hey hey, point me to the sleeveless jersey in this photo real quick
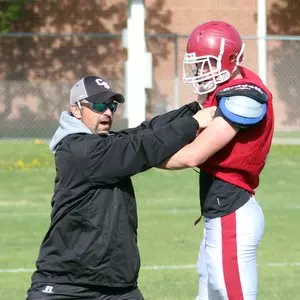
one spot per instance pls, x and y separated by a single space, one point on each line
241 161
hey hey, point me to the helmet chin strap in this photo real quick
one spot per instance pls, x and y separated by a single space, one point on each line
236 73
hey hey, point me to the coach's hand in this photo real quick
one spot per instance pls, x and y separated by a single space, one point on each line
205 116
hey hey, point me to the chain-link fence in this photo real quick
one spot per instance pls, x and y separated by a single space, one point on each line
37 72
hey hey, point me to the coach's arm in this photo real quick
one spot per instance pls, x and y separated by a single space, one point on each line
212 139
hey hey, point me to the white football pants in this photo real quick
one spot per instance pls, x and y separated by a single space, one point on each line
227 257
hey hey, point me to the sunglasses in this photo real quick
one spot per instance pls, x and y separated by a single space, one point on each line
100 107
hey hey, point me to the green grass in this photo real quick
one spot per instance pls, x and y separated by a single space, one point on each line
287 134
168 205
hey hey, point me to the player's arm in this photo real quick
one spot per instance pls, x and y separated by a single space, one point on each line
217 135
239 107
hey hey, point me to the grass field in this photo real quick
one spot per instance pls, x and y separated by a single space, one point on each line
168 205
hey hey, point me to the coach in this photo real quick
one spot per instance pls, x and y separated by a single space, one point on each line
90 249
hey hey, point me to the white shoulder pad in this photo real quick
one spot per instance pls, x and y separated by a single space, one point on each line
242 110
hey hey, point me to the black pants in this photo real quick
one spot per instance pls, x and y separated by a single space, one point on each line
40 291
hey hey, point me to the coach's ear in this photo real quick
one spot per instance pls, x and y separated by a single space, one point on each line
75 111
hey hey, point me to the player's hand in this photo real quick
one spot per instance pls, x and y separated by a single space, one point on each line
205 116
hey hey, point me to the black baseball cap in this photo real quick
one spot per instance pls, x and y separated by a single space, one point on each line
94 89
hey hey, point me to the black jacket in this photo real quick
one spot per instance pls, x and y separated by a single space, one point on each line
92 239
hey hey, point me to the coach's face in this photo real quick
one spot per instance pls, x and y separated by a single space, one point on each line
98 117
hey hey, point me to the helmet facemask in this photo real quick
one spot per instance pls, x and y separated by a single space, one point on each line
203 72
206 72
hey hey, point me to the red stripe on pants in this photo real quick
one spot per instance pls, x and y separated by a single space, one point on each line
229 257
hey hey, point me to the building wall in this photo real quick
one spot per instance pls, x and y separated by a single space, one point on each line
243 15
53 63
188 14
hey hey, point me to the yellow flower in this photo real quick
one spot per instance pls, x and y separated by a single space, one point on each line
38 142
35 162
20 164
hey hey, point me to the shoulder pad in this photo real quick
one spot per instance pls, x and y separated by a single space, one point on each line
242 111
248 90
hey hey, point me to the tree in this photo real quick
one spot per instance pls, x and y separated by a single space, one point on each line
10 12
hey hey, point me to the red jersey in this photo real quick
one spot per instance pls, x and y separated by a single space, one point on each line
241 161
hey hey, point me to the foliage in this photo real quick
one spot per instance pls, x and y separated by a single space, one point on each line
10 11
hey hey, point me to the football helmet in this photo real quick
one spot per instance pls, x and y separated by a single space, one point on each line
214 50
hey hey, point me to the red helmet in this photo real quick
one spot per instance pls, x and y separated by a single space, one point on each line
214 50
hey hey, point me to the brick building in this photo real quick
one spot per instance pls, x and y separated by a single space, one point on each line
37 70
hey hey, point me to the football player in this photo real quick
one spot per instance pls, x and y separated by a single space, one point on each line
230 153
